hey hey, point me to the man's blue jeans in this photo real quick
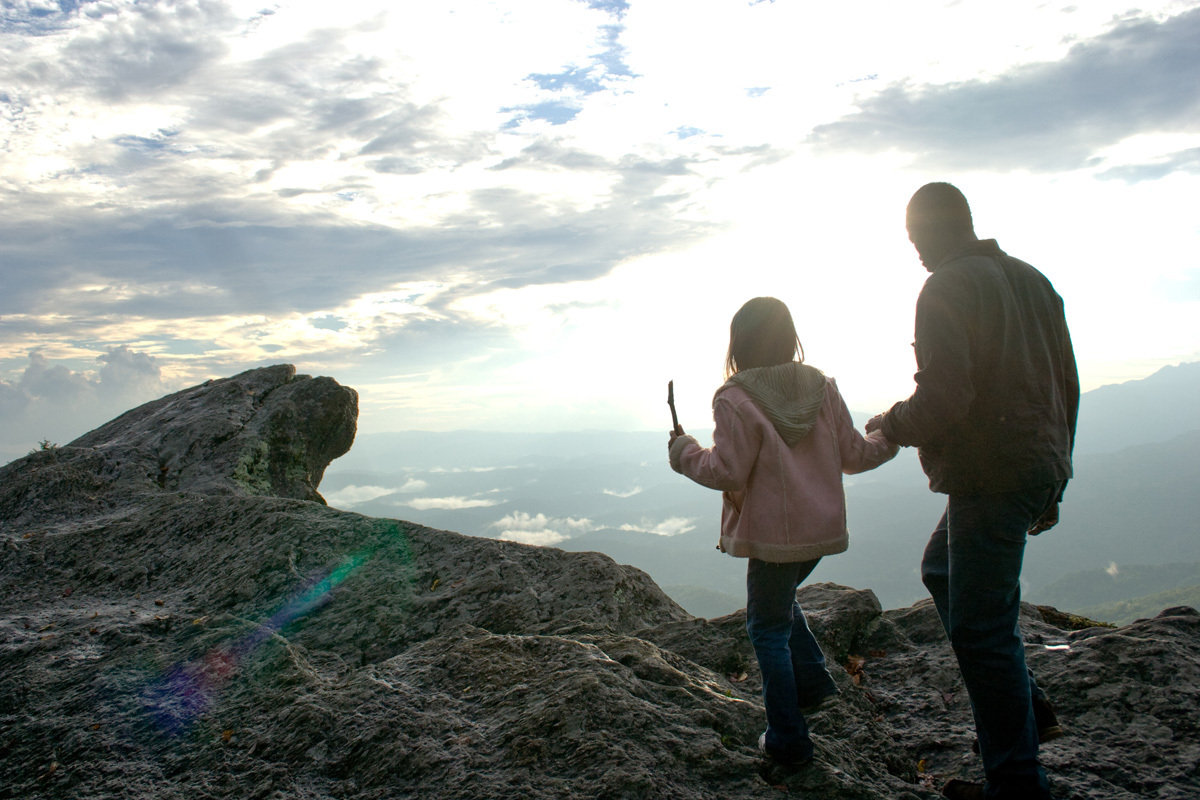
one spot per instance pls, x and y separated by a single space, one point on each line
789 658
972 568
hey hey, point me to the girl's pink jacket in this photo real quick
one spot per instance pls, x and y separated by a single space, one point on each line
780 503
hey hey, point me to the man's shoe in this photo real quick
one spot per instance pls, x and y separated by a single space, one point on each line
963 790
783 761
823 701
1044 718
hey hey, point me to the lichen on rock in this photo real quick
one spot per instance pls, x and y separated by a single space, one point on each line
251 469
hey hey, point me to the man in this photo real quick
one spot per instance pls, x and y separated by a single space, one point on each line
994 417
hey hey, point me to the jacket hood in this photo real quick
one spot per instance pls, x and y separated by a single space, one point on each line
789 394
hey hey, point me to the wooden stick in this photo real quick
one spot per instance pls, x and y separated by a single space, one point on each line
671 403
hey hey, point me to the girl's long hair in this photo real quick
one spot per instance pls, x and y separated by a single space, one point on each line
762 334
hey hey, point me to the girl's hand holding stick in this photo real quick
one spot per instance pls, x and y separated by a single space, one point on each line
676 430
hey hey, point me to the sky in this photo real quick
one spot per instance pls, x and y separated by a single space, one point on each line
529 215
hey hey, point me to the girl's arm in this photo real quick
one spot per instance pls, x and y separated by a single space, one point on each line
726 465
859 453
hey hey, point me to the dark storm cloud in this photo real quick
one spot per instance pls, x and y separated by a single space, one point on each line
1142 76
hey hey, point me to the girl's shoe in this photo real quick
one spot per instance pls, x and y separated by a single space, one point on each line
1046 720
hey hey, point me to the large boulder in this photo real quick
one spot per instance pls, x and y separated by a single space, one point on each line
266 432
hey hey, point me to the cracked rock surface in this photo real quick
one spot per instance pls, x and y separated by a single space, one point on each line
181 616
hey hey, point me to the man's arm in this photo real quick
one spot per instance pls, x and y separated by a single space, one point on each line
943 349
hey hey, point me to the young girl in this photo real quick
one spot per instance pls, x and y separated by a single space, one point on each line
782 440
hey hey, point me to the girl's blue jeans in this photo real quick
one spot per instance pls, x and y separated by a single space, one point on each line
790 660
972 568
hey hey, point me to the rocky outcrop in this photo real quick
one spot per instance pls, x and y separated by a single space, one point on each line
215 632
265 432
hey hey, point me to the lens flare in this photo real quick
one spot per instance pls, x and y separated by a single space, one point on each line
189 689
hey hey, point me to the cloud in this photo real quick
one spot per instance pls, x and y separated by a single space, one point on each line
672 526
451 503
114 52
542 538
246 287
223 263
205 183
123 374
350 496
34 17
539 529
623 493
335 186
52 401
1142 75
1185 161
144 49
457 470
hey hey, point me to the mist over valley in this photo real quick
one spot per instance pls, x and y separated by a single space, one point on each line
1128 524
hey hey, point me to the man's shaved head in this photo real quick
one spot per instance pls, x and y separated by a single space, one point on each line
941 205
938 221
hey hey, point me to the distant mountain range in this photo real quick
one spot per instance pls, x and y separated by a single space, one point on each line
1121 595
1133 502
1154 409
1125 612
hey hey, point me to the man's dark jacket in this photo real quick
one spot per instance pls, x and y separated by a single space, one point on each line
997 388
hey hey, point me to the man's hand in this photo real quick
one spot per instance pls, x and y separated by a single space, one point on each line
874 423
1046 521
